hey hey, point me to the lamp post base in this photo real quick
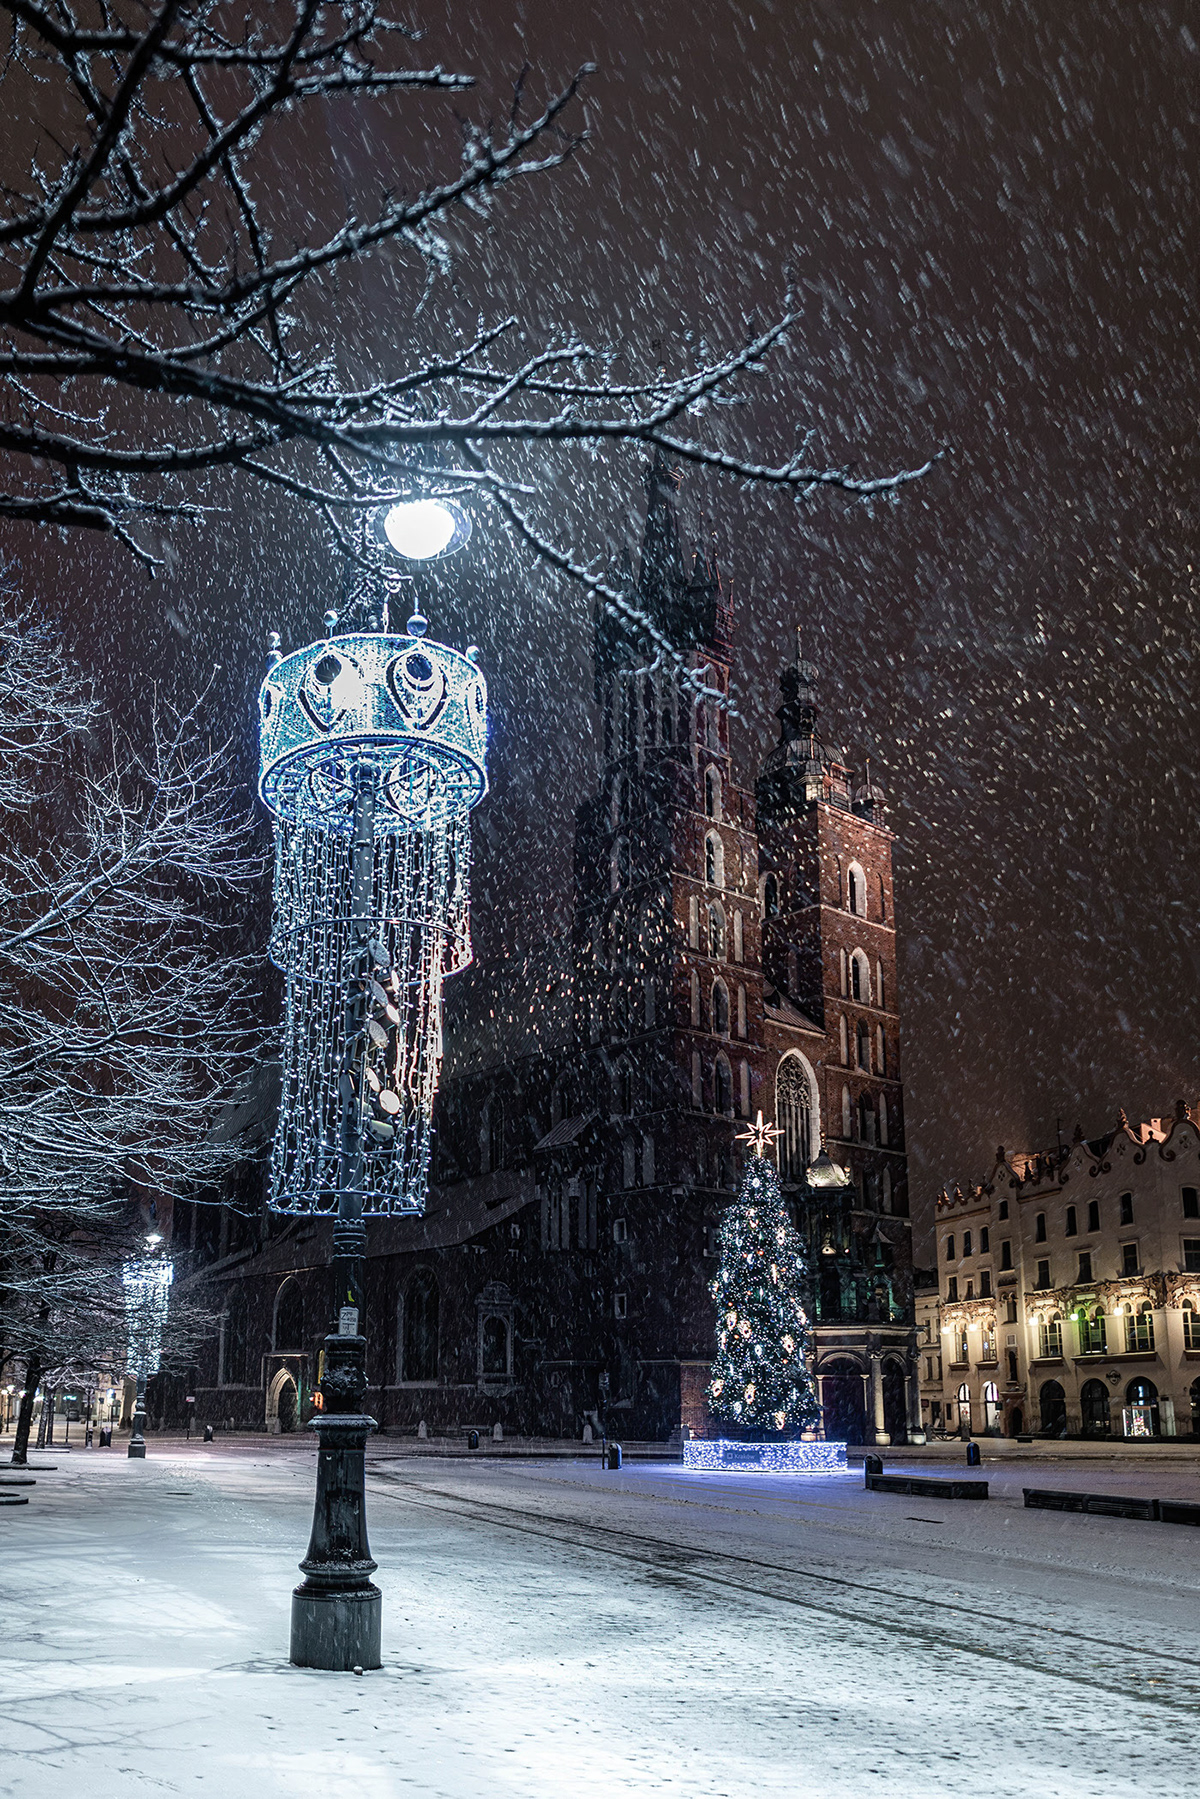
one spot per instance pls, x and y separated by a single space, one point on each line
337 1631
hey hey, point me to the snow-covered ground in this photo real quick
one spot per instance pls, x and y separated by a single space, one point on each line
552 1629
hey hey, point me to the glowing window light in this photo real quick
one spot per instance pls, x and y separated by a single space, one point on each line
419 530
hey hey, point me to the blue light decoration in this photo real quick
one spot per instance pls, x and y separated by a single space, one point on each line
382 735
708 1454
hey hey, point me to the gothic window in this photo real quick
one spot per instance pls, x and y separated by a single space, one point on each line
720 1009
863 1045
647 1159
879 987
716 933
884 1121
712 794
856 889
847 1114
845 979
237 1335
882 906
722 1088
695 985
496 1146
745 1089
741 1011
694 922
770 896
697 1080
860 978
795 1116
714 860
880 1051
628 1163
419 1328
739 945
288 1335
866 1118
886 1200
495 1348
844 1041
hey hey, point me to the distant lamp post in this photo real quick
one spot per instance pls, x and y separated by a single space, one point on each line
147 1280
373 752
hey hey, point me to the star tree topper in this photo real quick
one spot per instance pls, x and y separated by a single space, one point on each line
761 1135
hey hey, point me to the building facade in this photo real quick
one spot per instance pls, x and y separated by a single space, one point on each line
1069 1290
732 951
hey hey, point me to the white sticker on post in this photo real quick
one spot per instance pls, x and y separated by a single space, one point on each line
348 1321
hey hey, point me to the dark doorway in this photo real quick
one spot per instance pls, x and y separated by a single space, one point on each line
287 1406
895 1411
1016 1421
1054 1409
845 1415
1093 1399
289 1319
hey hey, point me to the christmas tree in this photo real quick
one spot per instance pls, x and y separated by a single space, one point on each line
760 1379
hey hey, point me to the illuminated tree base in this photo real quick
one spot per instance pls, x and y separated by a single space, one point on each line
706 1455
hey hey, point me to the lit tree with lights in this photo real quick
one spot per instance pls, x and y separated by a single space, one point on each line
760 1379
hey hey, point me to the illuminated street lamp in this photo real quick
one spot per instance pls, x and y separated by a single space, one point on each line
147 1281
373 752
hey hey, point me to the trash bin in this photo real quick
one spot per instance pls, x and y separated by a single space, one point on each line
106 1438
208 1433
614 1455
472 1439
873 1464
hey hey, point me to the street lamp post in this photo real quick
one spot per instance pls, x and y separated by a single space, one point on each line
373 754
147 1280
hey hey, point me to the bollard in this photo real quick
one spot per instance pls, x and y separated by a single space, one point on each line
972 1455
614 1455
472 1439
208 1433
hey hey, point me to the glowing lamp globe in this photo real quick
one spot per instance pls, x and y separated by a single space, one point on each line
421 530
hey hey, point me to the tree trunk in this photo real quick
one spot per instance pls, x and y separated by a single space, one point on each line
33 1375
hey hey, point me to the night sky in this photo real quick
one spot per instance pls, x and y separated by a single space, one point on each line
988 214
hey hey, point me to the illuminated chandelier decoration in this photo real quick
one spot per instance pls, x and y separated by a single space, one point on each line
373 754
147 1282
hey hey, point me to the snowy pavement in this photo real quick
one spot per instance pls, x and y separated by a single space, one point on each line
551 1628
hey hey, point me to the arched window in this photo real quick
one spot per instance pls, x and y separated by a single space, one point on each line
495 1348
712 794
860 977
856 889
1191 1326
496 1146
866 1118
628 1163
722 1088
1053 1402
796 1116
964 1407
739 940
287 1337
844 1040
880 1051
419 1328
1139 1328
716 932
695 985
880 1001
991 1409
237 1338
1094 1407
647 1159
884 1127
697 1080
863 1045
720 1008
694 922
770 896
885 1199
847 1113
741 1012
714 860
745 1089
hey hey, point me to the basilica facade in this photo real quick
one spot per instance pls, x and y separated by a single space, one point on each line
732 951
